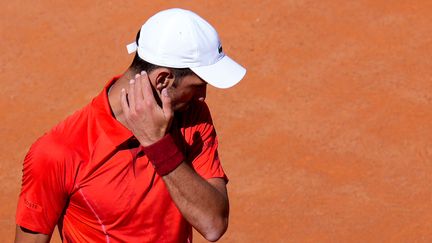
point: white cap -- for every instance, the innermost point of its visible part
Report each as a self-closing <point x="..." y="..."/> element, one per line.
<point x="179" y="38"/>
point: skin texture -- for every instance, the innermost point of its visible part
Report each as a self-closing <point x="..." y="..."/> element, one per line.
<point x="147" y="109"/>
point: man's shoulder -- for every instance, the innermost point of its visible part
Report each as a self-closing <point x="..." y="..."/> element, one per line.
<point x="49" y="145"/>
<point x="67" y="135"/>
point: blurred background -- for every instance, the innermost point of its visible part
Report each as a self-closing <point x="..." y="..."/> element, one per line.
<point x="327" y="139"/>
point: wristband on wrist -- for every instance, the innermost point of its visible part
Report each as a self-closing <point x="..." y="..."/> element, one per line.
<point x="164" y="155"/>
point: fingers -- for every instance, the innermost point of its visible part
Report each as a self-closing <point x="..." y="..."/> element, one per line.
<point x="140" y="94"/>
<point x="142" y="115"/>
<point x="137" y="92"/>
<point x="140" y="90"/>
<point x="131" y="94"/>
<point x="124" y="103"/>
<point x="166" y="104"/>
<point x="147" y="90"/>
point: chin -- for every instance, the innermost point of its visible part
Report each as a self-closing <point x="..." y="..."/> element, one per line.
<point x="181" y="107"/>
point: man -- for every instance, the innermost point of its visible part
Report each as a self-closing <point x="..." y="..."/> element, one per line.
<point x="140" y="162"/>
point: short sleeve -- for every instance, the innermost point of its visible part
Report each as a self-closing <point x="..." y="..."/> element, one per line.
<point x="46" y="183"/>
<point x="202" y="143"/>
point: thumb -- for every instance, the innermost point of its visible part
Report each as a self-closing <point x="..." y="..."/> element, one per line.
<point x="166" y="104"/>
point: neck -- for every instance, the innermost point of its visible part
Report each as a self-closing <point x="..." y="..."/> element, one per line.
<point x="114" y="94"/>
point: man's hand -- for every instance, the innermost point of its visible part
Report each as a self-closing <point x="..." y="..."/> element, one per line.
<point x="142" y="114"/>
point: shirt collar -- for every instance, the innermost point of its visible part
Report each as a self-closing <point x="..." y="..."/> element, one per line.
<point x="112" y="128"/>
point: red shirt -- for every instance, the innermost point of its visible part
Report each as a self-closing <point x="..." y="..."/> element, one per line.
<point x="89" y="176"/>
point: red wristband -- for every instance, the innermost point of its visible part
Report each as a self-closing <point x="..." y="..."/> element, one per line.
<point x="164" y="155"/>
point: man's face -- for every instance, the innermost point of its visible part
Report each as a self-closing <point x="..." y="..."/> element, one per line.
<point x="183" y="92"/>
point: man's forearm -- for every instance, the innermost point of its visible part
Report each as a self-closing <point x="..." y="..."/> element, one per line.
<point x="203" y="203"/>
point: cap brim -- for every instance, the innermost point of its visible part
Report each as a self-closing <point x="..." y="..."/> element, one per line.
<point x="223" y="74"/>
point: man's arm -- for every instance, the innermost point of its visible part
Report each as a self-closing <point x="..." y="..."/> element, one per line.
<point x="23" y="235"/>
<point x="46" y="179"/>
<point x="203" y="203"/>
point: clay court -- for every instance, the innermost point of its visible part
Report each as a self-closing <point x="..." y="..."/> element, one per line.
<point x="327" y="139"/>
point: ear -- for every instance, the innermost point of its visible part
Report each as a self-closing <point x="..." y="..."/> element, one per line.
<point x="164" y="78"/>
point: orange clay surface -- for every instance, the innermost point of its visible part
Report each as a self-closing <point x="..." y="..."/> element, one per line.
<point x="327" y="139"/>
